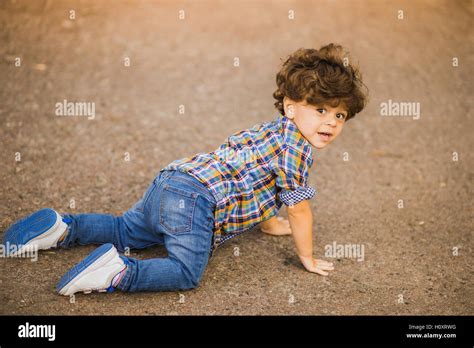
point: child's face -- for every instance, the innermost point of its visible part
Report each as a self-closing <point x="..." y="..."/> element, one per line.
<point x="320" y="125"/>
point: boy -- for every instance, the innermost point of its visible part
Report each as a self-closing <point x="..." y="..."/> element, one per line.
<point x="197" y="203"/>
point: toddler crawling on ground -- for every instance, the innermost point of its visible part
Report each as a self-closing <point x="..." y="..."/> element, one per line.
<point x="197" y="203"/>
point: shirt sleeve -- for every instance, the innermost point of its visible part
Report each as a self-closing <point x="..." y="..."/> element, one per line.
<point x="292" y="178"/>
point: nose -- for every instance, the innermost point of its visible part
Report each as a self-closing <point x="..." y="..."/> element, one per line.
<point x="330" y="120"/>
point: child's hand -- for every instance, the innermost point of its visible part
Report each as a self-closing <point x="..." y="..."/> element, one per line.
<point x="316" y="265"/>
<point x="276" y="226"/>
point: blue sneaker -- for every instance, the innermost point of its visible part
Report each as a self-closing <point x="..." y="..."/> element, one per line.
<point x="95" y="273"/>
<point x="40" y="230"/>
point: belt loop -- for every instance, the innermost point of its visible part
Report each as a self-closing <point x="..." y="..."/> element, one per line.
<point x="162" y="175"/>
<point x="167" y="173"/>
<point x="216" y="241"/>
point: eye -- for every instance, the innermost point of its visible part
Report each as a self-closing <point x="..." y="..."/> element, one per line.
<point x="341" y="116"/>
<point x="321" y="111"/>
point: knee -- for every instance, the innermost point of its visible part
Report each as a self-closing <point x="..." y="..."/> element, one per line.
<point x="190" y="278"/>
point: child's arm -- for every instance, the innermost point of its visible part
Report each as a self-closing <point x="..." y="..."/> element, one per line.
<point x="276" y="226"/>
<point x="301" y="222"/>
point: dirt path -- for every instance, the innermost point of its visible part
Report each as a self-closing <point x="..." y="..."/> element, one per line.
<point x="408" y="252"/>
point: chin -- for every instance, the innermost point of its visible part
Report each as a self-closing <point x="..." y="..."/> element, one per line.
<point x="319" y="144"/>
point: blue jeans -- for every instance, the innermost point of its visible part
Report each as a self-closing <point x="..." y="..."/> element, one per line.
<point x="176" y="211"/>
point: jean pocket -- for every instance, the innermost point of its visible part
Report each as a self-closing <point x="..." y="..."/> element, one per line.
<point x="177" y="209"/>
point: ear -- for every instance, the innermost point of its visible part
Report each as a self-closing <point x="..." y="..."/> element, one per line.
<point x="289" y="108"/>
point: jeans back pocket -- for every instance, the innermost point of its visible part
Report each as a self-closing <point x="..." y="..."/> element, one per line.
<point x="177" y="209"/>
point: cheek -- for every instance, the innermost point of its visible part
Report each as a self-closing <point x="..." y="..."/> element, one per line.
<point x="338" y="131"/>
<point x="307" y="126"/>
<point x="312" y="125"/>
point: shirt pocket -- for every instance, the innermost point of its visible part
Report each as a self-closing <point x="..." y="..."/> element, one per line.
<point x="177" y="209"/>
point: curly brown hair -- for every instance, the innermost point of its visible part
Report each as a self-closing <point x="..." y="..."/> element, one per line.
<point x="321" y="77"/>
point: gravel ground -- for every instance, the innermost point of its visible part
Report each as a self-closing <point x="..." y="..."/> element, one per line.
<point x="408" y="252"/>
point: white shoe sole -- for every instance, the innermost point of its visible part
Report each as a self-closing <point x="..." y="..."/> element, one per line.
<point x="46" y="240"/>
<point x="104" y="266"/>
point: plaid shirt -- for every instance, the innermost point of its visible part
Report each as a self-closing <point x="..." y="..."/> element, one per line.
<point x="252" y="174"/>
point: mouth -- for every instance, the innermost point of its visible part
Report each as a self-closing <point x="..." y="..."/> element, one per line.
<point x="325" y="135"/>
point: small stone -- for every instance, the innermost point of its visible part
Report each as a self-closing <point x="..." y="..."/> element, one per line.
<point x="40" y="67"/>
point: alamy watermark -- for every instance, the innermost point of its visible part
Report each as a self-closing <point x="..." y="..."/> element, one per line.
<point x="400" y="109"/>
<point x="20" y="250"/>
<point x="68" y="108"/>
<point x="230" y="155"/>
<point x="335" y="250"/>
<point x="28" y="330"/>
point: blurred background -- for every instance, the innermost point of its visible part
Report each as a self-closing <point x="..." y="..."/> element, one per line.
<point x="169" y="79"/>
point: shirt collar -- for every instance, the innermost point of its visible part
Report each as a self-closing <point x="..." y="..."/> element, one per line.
<point x="293" y="136"/>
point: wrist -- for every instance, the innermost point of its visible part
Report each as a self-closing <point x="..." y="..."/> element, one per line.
<point x="306" y="257"/>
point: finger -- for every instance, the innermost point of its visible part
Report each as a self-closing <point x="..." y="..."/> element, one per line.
<point x="326" y="268"/>
<point x="323" y="262"/>
<point x="324" y="265"/>
<point x="327" y="264"/>
<point x="318" y="271"/>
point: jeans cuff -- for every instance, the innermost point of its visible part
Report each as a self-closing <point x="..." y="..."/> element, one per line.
<point x="124" y="284"/>
<point x="69" y="222"/>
